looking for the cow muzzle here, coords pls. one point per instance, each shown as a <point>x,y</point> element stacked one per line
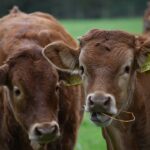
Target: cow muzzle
<point>99,104</point>
<point>43,133</point>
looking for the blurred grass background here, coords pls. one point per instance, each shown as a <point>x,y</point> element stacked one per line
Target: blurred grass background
<point>90,137</point>
<point>79,27</point>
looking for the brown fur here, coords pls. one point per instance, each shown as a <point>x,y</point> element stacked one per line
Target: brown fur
<point>22,38</point>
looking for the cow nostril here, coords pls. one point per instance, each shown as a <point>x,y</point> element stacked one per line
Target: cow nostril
<point>54,129</point>
<point>107,101</point>
<point>91,103</point>
<point>37,131</point>
<point>46,130</point>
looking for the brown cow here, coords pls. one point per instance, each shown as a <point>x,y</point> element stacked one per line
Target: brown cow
<point>109,64</point>
<point>36,107</point>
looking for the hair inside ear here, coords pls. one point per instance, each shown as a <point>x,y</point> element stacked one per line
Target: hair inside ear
<point>146,65</point>
<point>61,56</point>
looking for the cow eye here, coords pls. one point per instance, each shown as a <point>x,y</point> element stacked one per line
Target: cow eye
<point>81,70</point>
<point>17,91</point>
<point>127,69</point>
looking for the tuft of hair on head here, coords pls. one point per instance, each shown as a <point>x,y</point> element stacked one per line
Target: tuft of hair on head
<point>15,10</point>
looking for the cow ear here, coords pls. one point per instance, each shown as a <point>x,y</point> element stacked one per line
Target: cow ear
<point>62,56</point>
<point>3,74</point>
<point>143,53</point>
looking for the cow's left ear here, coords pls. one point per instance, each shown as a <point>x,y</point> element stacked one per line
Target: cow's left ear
<point>61,56</point>
<point>4,74</point>
<point>143,52</point>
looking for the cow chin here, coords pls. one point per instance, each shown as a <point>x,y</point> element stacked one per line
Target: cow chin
<point>36,146</point>
<point>100,120</point>
<point>39,144</point>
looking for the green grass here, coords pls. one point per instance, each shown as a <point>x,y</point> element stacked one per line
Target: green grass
<point>90,137</point>
<point>79,27</point>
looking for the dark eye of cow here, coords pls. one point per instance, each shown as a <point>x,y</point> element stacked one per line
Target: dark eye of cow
<point>17,91</point>
<point>127,69</point>
<point>81,70</point>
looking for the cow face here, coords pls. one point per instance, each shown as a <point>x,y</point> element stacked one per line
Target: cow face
<point>32,95</point>
<point>107,62</point>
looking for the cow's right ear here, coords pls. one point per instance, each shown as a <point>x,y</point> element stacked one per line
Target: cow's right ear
<point>4,74</point>
<point>61,56</point>
<point>142,53</point>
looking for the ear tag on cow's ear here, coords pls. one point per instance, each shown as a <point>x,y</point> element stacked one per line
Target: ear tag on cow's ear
<point>146,66</point>
<point>73,80</point>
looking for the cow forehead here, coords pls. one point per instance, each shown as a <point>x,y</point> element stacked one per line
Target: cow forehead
<point>109,53</point>
<point>104,35</point>
<point>33,71</point>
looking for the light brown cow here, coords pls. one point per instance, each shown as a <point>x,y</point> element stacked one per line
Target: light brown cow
<point>36,107</point>
<point>109,63</point>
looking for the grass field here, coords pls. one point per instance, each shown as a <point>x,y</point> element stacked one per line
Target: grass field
<point>80,27</point>
<point>90,137</point>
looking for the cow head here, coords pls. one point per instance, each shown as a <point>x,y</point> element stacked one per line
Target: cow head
<point>31,85</point>
<point>108,62</point>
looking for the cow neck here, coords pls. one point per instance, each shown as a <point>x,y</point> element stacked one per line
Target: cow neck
<point>120,136</point>
<point>120,131</point>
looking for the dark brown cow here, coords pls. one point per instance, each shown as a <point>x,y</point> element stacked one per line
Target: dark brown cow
<point>36,107</point>
<point>109,64</point>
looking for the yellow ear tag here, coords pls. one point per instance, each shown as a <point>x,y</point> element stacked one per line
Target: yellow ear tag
<point>73,80</point>
<point>146,66</point>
